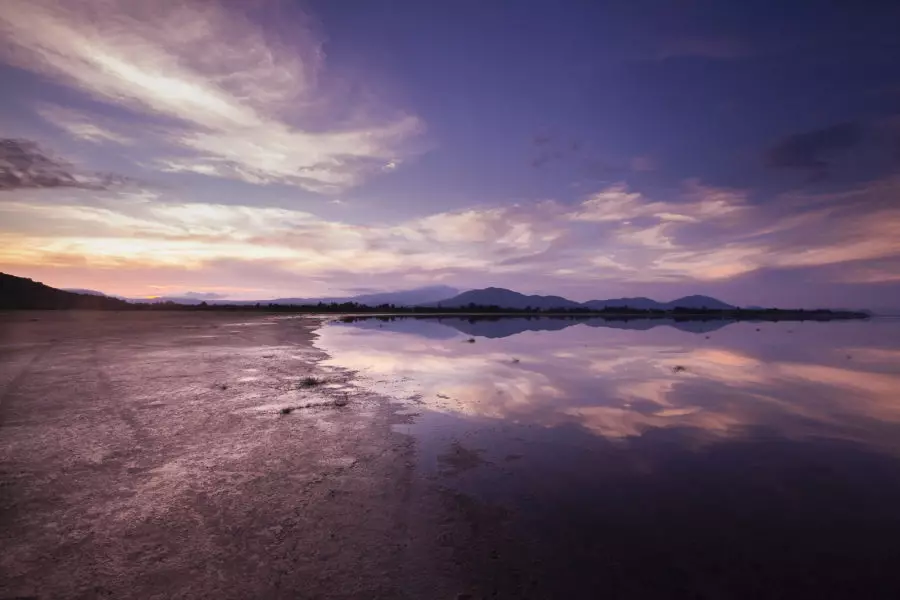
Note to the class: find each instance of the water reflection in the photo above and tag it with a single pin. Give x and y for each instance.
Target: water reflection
(583, 461)
(495, 327)
(797, 379)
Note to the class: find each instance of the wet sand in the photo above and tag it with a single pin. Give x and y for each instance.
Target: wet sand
(145, 456)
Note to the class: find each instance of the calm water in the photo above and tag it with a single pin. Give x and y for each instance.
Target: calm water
(648, 459)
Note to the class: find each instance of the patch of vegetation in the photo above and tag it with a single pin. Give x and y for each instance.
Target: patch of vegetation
(287, 410)
(470, 341)
(679, 369)
(310, 381)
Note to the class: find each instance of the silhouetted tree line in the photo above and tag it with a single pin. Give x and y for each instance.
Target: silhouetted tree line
(609, 313)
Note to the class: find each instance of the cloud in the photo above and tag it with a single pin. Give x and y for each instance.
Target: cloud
(647, 237)
(810, 151)
(238, 102)
(616, 236)
(82, 126)
(617, 203)
(24, 164)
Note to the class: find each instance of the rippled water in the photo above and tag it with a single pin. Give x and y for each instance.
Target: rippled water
(659, 459)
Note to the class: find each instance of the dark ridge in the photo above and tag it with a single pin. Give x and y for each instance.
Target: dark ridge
(22, 293)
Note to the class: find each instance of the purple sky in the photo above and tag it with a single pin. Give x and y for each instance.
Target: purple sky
(257, 149)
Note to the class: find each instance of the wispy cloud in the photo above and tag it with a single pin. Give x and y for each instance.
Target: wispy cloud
(617, 203)
(24, 164)
(240, 102)
(703, 234)
(82, 126)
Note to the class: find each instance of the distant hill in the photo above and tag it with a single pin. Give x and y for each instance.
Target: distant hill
(448, 297)
(85, 292)
(413, 297)
(504, 298)
(698, 302)
(22, 293)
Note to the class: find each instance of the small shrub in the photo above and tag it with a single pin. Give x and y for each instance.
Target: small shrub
(287, 410)
(470, 340)
(310, 381)
(679, 369)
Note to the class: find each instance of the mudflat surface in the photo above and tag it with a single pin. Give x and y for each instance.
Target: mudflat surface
(145, 456)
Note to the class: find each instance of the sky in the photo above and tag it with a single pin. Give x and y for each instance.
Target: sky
(251, 149)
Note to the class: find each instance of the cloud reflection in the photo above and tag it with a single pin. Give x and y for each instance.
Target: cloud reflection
(619, 383)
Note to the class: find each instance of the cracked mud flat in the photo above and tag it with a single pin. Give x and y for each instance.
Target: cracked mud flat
(145, 456)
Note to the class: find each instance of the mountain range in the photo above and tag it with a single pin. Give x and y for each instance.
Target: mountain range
(448, 297)
(414, 297)
(20, 292)
(15, 291)
(504, 298)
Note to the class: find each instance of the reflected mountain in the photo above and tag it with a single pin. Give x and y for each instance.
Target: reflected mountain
(500, 327)
(434, 329)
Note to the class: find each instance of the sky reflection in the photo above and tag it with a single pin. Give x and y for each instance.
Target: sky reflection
(620, 383)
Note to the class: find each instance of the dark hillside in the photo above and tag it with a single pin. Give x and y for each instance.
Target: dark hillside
(21, 293)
